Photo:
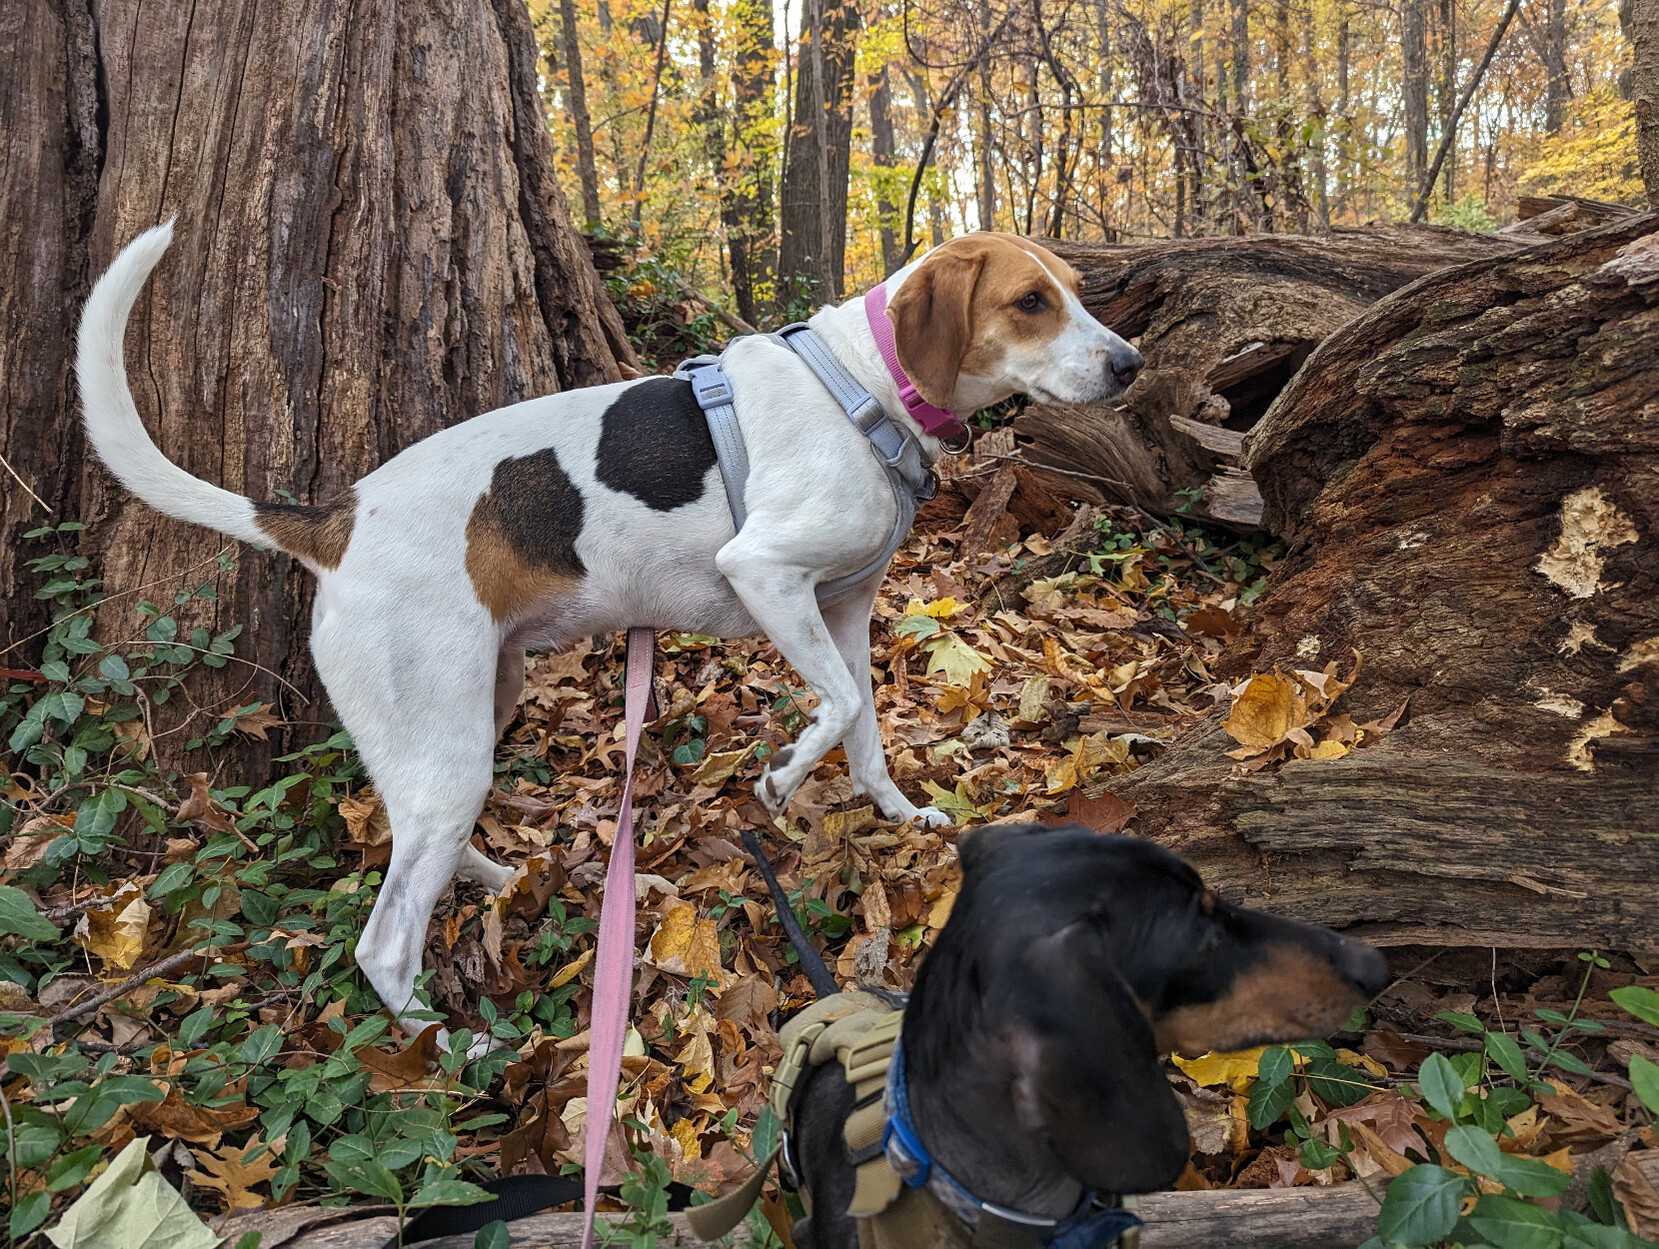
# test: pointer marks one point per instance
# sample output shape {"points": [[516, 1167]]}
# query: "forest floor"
{"points": [[263, 1073]]}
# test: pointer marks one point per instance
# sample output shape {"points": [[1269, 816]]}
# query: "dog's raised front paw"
{"points": [[932, 817]]}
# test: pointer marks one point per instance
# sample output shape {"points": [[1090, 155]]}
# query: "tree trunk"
{"points": [[813, 239], [1223, 324], [1475, 511], [1558, 86], [747, 208], [372, 245], [577, 94], [1414, 83], [1241, 56], [883, 150], [1640, 22]]}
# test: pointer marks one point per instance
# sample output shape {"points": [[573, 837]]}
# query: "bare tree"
{"points": [[1640, 21], [883, 150], [576, 99], [1415, 86], [751, 164], [813, 220]]}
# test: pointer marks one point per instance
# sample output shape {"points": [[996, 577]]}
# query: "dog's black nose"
{"points": [[1362, 966], [1125, 365]]}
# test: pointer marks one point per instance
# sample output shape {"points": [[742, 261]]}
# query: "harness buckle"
{"points": [[905, 1154], [710, 387]]}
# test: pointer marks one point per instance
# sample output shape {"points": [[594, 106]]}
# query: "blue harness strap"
{"points": [[895, 448]]}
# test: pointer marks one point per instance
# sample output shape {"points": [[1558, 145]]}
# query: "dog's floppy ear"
{"points": [[1087, 1075], [932, 314]]}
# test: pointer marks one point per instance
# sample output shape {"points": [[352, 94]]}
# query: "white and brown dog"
{"points": [[600, 509]]}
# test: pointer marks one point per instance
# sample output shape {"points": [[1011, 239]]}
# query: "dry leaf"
{"points": [[367, 823], [200, 807], [686, 944], [117, 932], [176, 1118], [1637, 1194], [232, 1175], [1265, 709]]}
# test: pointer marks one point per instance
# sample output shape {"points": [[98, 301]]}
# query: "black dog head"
{"points": [[1072, 961]]}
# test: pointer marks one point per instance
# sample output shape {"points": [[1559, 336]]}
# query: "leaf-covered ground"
{"points": [[254, 1058]]}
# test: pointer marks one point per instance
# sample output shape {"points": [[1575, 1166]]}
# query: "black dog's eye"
{"points": [[1031, 302]]}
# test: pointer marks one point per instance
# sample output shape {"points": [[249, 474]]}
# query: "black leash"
{"points": [[823, 984], [516, 1197]]}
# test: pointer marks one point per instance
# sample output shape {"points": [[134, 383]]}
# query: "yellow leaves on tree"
{"points": [[1593, 155]]}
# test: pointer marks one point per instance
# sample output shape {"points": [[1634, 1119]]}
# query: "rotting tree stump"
{"points": [[1223, 323], [1468, 477]]}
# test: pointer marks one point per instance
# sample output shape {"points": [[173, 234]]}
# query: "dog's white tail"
{"points": [[112, 421]]}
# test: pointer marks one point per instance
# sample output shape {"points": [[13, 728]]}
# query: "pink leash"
{"points": [[613, 977]]}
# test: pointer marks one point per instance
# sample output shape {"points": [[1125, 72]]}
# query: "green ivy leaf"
{"points": [[1442, 1086], [1644, 1075], [1640, 1002], [19, 917], [1421, 1206], [1503, 1050], [450, 1193], [493, 1236], [1513, 1224]]}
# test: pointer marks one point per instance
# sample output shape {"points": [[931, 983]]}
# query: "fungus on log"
{"points": [[1223, 323], [1468, 477]]}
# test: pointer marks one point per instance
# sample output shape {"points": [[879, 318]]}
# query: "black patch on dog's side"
{"points": [[655, 444], [537, 511]]}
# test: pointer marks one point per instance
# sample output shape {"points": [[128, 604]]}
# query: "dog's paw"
{"points": [[932, 817], [771, 794]]}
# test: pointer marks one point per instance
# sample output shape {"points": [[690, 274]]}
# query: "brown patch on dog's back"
{"points": [[1290, 995], [317, 532], [521, 536]]}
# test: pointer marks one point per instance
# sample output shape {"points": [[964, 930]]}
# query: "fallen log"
{"points": [[1468, 478], [1338, 1217], [1223, 324]]}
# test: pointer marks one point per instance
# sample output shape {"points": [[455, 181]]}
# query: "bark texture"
{"points": [[1223, 324], [371, 245], [1640, 20], [1468, 476]]}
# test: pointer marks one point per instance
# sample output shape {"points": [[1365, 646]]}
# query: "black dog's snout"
{"points": [[1362, 966], [1125, 365]]}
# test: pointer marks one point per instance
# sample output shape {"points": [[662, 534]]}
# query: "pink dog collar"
{"points": [[939, 422]]}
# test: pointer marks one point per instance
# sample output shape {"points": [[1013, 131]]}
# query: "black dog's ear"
{"points": [[1087, 1075]]}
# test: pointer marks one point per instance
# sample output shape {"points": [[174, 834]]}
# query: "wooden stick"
{"points": [[127, 986], [732, 320]]}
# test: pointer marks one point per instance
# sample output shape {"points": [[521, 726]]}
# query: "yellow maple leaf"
{"points": [[1267, 707], [685, 944], [950, 655], [939, 609]]}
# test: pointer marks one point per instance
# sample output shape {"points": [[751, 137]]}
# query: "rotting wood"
{"points": [[1223, 324], [1475, 510], [1340, 1216]]}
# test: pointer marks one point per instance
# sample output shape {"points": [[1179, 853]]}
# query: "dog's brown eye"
{"points": [[1030, 302]]}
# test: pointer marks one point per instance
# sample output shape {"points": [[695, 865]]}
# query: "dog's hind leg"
{"points": [[849, 624], [474, 864], [417, 702]]}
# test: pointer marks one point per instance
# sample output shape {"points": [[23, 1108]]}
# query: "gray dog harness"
{"points": [[894, 446]]}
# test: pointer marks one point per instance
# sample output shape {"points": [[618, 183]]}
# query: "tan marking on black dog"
{"points": [[318, 532], [1290, 995], [521, 536]]}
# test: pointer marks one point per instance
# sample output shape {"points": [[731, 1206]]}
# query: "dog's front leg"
{"points": [[780, 597], [849, 625]]}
